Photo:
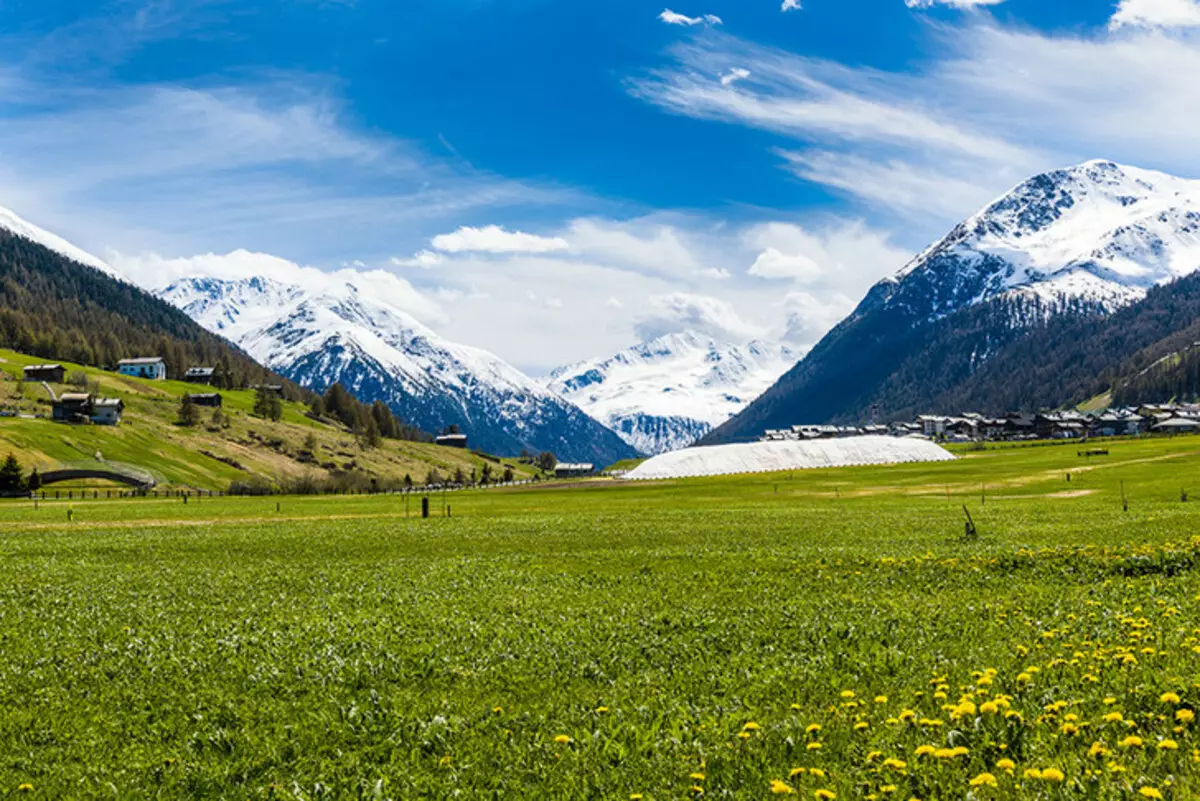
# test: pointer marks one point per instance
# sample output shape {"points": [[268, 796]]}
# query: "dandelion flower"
{"points": [[813, 728], [1150, 792], [881, 699], [796, 772], [600, 710], [1169, 698], [1132, 741], [1168, 745], [847, 694], [862, 725], [984, 780], [1185, 716], [820, 774], [698, 777], [751, 726], [562, 739], [815, 745], [25, 788], [824, 795], [1006, 764], [781, 788], [925, 750]]}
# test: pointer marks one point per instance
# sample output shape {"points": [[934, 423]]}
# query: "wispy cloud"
{"points": [[1157, 14], [790, 5], [951, 3], [991, 106], [672, 18]]}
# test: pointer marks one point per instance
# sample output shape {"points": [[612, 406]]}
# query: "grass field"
{"points": [[824, 634]]}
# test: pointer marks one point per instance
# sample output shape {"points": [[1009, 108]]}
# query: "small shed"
{"points": [[150, 367], [573, 469], [199, 375], [210, 399], [107, 411], [1178, 425], [452, 440], [72, 407], [51, 373]]}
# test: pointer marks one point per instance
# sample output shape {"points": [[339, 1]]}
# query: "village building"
{"points": [[210, 399], [573, 469], [150, 367], [50, 373], [199, 375], [451, 440], [72, 407], [107, 411]]}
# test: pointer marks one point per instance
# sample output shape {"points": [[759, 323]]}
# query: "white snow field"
{"points": [[770, 457]]}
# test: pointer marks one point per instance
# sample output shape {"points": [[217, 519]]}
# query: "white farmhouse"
{"points": [[149, 367]]}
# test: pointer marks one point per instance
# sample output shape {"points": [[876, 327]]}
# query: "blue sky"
{"points": [[547, 179]]}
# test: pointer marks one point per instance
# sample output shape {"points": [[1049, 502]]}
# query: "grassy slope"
{"points": [[148, 437], [226, 649]]}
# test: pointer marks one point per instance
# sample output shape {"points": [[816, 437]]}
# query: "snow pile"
{"points": [[769, 457]]}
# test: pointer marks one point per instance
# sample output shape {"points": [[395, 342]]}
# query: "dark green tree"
{"points": [[546, 461], [35, 480], [188, 415], [267, 404], [11, 477]]}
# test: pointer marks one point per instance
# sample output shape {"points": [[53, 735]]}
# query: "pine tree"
{"points": [[188, 416], [11, 477], [35, 480]]}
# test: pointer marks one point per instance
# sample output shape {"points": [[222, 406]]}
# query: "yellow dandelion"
{"points": [[781, 788], [1132, 741], [1113, 717], [1150, 792], [847, 694], [815, 745], [25, 788], [1169, 698], [600, 710], [696, 777], [562, 739], [813, 728], [796, 772], [820, 774], [1098, 750], [1033, 773], [1168, 745], [984, 780], [895, 764], [862, 725], [881, 699], [1052, 775], [1006, 764], [824, 795], [925, 750], [751, 726], [1185, 715]]}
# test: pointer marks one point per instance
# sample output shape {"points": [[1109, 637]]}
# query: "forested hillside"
{"points": [[58, 309]]}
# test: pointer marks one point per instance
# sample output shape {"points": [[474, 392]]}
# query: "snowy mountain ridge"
{"points": [[320, 333], [665, 394], [1098, 233]]}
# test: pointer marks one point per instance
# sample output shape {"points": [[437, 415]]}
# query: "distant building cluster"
{"points": [[84, 407], [1161, 418]]}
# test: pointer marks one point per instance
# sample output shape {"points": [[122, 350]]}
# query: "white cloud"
{"points": [[645, 245], [734, 75], [810, 316], [843, 257], [671, 18], [681, 311], [790, 5], [422, 260], [951, 3], [1157, 14], [494, 239]]}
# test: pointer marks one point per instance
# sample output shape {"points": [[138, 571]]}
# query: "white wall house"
{"points": [[151, 367]]}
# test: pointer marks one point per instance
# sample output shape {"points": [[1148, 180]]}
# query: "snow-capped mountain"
{"points": [[1082, 240], [9, 221], [665, 394], [333, 330], [1099, 234]]}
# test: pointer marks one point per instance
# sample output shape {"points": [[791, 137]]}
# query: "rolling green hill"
{"points": [[246, 448]]}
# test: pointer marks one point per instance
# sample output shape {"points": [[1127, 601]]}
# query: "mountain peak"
{"points": [[9, 221]]}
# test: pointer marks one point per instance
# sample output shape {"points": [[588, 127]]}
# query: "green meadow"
{"points": [[822, 634]]}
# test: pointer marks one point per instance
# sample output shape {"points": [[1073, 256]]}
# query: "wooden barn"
{"points": [[50, 373]]}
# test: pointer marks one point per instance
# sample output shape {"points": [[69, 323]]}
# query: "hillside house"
{"points": [[150, 367], [50, 373], [573, 469], [107, 411], [199, 375], [212, 400], [451, 440], [72, 407]]}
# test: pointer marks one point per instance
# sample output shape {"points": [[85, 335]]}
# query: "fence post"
{"points": [[425, 507]]}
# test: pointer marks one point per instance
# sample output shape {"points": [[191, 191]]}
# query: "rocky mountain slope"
{"points": [[665, 394], [319, 333], [1082, 241]]}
